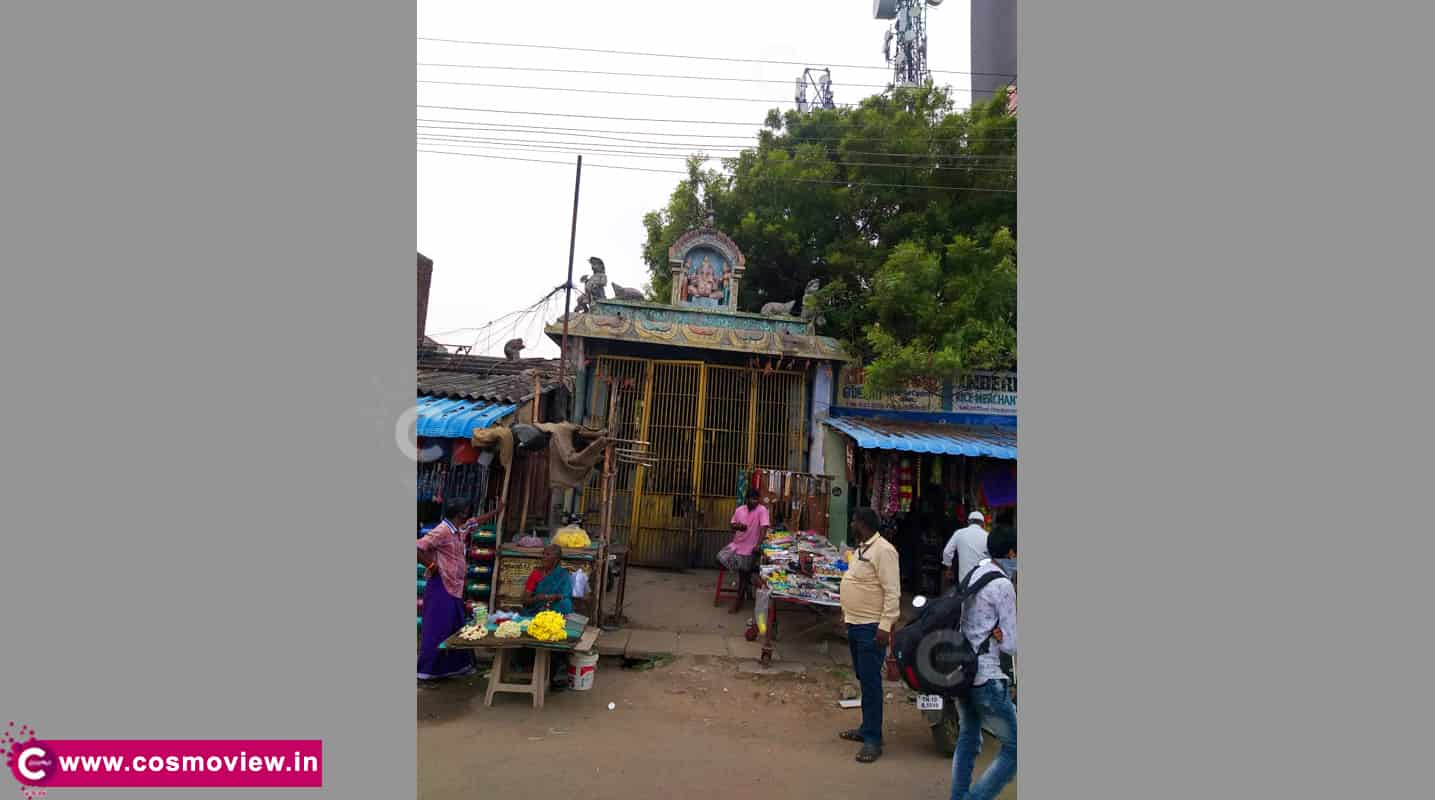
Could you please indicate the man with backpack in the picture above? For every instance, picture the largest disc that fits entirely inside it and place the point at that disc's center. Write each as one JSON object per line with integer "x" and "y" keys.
{"x": 871, "y": 595}
{"x": 989, "y": 626}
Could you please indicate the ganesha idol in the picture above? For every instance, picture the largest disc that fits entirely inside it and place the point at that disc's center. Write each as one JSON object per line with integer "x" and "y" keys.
{"x": 703, "y": 286}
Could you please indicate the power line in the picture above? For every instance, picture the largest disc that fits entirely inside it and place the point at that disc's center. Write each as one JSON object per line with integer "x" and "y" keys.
{"x": 783, "y": 81}
{"x": 766, "y": 178}
{"x": 690, "y": 57}
{"x": 689, "y": 147}
{"x": 598, "y": 133}
{"x": 593, "y": 116}
{"x": 580, "y": 147}
{"x": 633, "y": 94}
{"x": 934, "y": 164}
{"x": 520, "y": 315}
{"x": 611, "y": 91}
{"x": 588, "y": 116}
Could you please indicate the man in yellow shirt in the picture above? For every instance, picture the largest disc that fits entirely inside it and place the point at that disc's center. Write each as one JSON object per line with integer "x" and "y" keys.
{"x": 871, "y": 603}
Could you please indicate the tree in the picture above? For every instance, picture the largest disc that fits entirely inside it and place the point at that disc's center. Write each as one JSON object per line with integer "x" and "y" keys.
{"x": 897, "y": 193}
{"x": 940, "y": 312}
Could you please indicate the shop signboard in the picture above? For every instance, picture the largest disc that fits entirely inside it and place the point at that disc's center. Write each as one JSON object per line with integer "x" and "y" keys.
{"x": 849, "y": 395}
{"x": 970, "y": 393}
{"x": 985, "y": 393}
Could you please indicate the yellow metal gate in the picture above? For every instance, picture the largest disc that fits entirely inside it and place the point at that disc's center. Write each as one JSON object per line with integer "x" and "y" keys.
{"x": 704, "y": 423}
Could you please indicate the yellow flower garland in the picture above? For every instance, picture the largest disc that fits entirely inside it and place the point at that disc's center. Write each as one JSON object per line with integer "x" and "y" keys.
{"x": 548, "y": 626}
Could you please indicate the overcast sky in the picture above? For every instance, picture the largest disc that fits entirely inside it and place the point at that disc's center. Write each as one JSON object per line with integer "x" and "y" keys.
{"x": 498, "y": 230}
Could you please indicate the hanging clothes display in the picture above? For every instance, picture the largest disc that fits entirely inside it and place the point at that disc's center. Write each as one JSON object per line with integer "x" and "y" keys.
{"x": 999, "y": 486}
{"x": 892, "y": 499}
{"x": 905, "y": 484}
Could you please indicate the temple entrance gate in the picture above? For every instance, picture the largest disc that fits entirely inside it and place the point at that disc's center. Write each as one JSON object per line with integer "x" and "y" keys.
{"x": 704, "y": 423}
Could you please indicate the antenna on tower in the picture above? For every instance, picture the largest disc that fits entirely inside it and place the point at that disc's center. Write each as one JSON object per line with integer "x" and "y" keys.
{"x": 820, "y": 82}
{"x": 905, "y": 43}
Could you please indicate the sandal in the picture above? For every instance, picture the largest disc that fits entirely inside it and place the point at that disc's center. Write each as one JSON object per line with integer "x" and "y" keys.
{"x": 853, "y": 735}
{"x": 868, "y": 754}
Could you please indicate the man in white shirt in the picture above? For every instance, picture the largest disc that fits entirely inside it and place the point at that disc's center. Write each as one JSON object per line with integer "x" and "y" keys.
{"x": 967, "y": 547}
{"x": 989, "y": 624}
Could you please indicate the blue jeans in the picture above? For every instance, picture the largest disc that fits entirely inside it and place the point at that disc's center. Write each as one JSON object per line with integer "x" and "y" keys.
{"x": 989, "y": 703}
{"x": 867, "y": 658}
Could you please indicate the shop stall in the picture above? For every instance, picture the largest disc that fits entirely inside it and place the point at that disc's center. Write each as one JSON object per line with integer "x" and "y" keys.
{"x": 924, "y": 476}
{"x": 799, "y": 571}
{"x": 507, "y": 633}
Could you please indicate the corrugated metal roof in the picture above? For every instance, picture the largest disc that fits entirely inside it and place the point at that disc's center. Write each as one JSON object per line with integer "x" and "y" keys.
{"x": 874, "y": 433}
{"x": 498, "y": 380}
{"x": 447, "y": 418}
{"x": 517, "y": 389}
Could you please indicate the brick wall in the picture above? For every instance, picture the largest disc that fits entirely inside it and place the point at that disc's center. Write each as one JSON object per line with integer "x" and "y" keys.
{"x": 425, "y": 277}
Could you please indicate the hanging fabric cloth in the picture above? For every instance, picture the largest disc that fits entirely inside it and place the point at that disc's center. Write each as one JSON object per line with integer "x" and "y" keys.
{"x": 905, "y": 485}
{"x": 893, "y": 499}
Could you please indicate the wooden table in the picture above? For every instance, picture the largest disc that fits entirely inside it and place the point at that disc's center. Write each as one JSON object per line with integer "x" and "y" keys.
{"x": 536, "y": 685}
{"x": 821, "y": 608}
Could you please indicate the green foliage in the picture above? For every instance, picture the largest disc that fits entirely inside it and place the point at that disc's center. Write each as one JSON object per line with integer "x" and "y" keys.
{"x": 938, "y": 312}
{"x": 889, "y": 205}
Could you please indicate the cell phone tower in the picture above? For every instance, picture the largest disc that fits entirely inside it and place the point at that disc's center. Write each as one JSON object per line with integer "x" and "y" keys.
{"x": 905, "y": 44}
{"x": 820, "y": 82}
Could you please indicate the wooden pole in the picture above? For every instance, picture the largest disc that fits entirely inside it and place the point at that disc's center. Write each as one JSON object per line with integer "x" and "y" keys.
{"x": 529, "y": 477}
{"x": 607, "y": 495}
{"x": 568, "y": 286}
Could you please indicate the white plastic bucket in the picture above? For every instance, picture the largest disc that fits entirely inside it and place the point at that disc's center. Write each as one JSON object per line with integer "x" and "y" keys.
{"x": 581, "y": 668}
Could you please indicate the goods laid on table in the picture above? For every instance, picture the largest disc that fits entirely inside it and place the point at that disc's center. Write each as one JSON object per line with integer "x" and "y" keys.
{"x": 802, "y": 565}
{"x": 548, "y": 626}
{"x": 472, "y": 633}
{"x": 508, "y": 629}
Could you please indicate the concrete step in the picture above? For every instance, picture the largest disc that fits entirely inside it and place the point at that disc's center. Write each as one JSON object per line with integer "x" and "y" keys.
{"x": 701, "y": 644}
{"x": 651, "y": 644}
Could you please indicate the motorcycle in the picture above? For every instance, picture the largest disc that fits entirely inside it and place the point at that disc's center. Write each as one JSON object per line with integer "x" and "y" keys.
{"x": 940, "y": 713}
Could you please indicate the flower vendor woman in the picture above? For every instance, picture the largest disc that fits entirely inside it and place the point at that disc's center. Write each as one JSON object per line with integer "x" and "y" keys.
{"x": 550, "y": 586}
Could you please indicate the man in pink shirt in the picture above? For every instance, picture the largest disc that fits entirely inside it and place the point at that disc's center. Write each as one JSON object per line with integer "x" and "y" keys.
{"x": 749, "y": 524}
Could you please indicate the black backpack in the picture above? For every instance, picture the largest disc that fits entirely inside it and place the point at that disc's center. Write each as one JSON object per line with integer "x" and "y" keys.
{"x": 931, "y": 652}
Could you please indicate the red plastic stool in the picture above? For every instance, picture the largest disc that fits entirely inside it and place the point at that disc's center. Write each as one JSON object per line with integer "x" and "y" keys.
{"x": 721, "y": 591}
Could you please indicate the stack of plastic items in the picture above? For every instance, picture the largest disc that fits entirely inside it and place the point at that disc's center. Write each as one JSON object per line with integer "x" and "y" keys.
{"x": 482, "y": 545}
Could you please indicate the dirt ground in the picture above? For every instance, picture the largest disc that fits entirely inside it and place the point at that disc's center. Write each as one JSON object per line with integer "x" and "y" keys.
{"x": 683, "y": 602}
{"x": 695, "y": 725}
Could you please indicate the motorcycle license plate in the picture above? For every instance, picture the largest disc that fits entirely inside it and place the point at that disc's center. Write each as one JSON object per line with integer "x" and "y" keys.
{"x": 929, "y": 702}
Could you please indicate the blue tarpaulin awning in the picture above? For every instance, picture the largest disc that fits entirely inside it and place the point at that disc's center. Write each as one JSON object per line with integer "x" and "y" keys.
{"x": 447, "y": 418}
{"x": 875, "y": 433}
